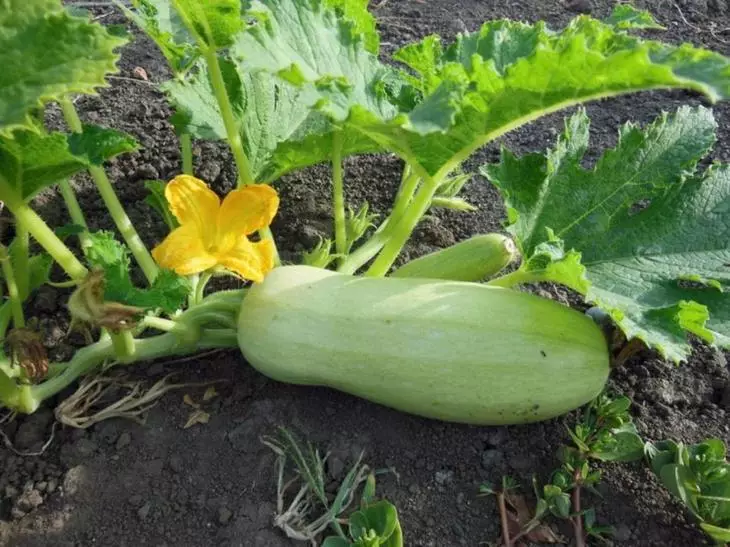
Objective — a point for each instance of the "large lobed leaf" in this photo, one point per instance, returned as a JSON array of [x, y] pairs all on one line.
[[652, 235], [508, 74], [288, 99], [46, 54], [32, 160]]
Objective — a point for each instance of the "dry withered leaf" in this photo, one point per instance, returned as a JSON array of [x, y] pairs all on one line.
[[209, 394], [188, 400], [519, 517], [27, 351], [197, 417]]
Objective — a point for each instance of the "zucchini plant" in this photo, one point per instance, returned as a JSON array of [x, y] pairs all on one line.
[[287, 84]]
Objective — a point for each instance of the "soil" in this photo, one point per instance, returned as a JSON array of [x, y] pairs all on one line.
[[120, 483]]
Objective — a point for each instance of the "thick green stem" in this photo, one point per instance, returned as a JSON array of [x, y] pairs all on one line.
[[164, 345], [372, 246], [16, 303], [233, 133], [186, 150], [114, 206], [124, 348], [21, 257], [41, 232], [404, 228], [200, 287], [338, 197], [74, 211], [518, 277], [6, 314], [235, 142]]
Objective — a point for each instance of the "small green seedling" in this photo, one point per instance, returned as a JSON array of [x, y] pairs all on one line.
[[699, 475], [375, 524], [605, 432], [311, 511]]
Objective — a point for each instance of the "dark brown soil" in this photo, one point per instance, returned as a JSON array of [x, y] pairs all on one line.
[[123, 484]]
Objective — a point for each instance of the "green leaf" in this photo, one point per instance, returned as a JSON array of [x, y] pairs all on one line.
[[159, 20], [715, 532], [660, 270], [625, 446], [214, 23], [68, 230], [168, 292], [382, 517], [157, 200], [626, 16], [32, 161], [336, 541], [363, 22], [292, 78], [94, 145], [680, 482], [508, 74], [268, 111], [47, 54]]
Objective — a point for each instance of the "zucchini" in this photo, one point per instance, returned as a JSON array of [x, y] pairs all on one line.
[[473, 259], [453, 351]]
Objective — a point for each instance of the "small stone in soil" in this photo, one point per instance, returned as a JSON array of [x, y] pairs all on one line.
[[135, 500], [224, 515], [32, 432], [72, 480], [175, 463], [144, 511], [123, 440], [29, 500], [491, 458], [444, 477]]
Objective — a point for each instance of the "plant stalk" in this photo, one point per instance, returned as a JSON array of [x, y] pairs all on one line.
[[22, 256], [16, 303], [116, 210], [186, 150], [41, 232], [74, 211], [375, 243], [580, 539], [235, 142], [403, 230], [245, 175], [123, 344], [338, 197], [501, 503]]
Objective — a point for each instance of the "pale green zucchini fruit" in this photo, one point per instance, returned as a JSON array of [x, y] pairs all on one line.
[[473, 259], [453, 351]]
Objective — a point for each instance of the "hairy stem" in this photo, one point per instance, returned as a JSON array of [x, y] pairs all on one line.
[[372, 246], [74, 211], [186, 150], [404, 228], [338, 197], [21, 258], [41, 232], [116, 210], [245, 174], [16, 303]]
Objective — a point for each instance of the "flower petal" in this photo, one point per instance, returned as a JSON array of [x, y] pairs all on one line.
[[192, 202], [246, 210], [249, 260], [184, 251]]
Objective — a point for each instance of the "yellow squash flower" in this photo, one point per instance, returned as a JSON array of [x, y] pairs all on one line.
[[213, 234]]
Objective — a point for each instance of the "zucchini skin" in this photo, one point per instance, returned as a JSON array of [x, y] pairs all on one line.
[[452, 351], [473, 259]]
